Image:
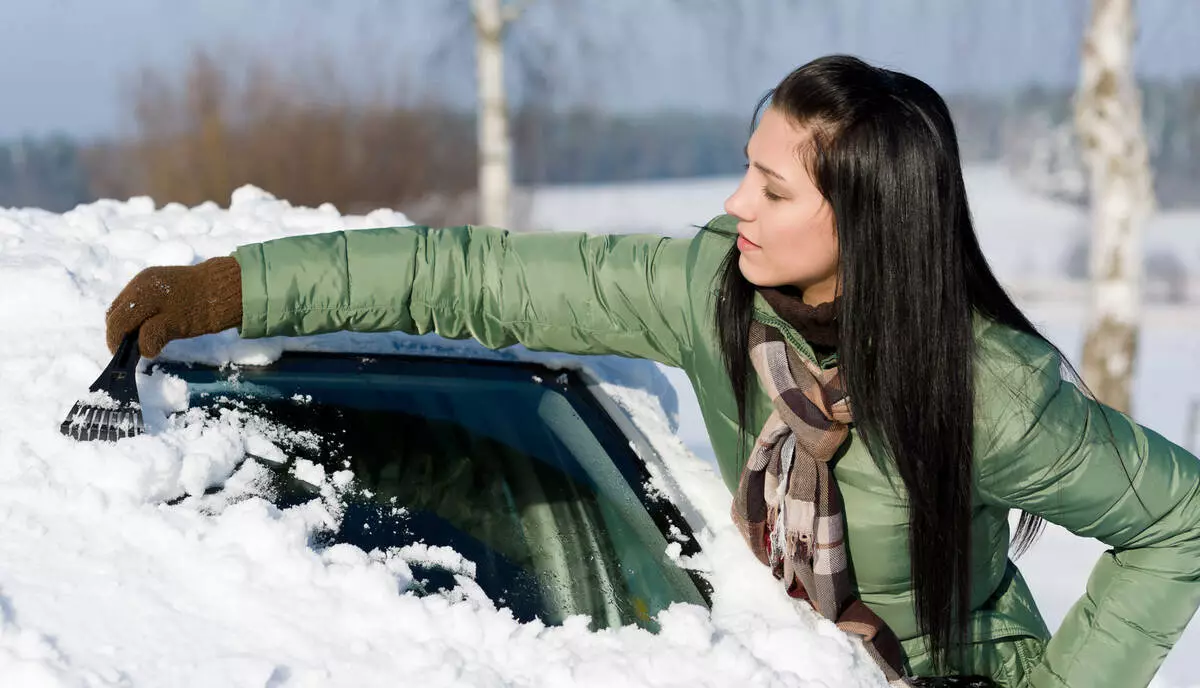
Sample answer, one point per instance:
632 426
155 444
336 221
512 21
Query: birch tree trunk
495 144
1109 123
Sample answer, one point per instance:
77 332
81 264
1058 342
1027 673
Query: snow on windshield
103 583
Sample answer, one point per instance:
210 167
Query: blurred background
631 115
372 103
628 115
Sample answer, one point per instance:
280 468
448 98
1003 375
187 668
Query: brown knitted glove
176 302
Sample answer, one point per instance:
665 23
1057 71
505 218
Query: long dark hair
885 156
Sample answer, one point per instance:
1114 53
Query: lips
744 243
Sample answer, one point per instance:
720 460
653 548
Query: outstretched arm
568 292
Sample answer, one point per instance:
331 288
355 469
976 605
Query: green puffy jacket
1040 446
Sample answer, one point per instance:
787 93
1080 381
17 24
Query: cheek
824 249
802 254
799 245
811 245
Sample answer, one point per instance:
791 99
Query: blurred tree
536 56
300 134
492 18
1109 121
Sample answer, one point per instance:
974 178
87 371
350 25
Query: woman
846 265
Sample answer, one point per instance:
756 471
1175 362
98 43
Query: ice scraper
111 410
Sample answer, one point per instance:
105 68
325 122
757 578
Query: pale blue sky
62 61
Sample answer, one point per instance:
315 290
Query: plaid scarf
787 505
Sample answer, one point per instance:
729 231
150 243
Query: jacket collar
765 314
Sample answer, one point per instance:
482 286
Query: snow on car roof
102 583
227 348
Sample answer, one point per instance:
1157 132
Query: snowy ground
1026 239
101 584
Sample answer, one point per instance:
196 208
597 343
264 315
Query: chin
749 272
757 276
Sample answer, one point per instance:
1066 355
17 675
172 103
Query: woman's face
786 228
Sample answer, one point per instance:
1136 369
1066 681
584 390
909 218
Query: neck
817 294
817 324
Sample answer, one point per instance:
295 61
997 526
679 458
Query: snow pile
107 580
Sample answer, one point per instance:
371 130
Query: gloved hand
176 302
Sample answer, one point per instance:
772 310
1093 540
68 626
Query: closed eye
766 191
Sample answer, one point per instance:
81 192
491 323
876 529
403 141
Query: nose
738 204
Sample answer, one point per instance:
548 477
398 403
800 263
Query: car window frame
638 450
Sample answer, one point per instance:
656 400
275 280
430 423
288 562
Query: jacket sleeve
567 292
1058 454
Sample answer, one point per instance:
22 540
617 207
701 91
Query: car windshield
516 467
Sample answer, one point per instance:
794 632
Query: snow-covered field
102 584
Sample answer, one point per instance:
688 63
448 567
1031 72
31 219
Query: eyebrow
761 167
769 172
